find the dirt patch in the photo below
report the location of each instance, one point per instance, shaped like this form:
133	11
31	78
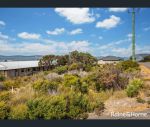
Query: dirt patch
119	105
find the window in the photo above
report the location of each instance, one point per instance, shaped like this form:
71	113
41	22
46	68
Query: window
22	70
34	69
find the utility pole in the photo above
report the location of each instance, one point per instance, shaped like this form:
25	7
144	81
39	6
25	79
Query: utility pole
133	11
133	34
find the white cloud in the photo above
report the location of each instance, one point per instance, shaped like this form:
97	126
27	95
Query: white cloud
100	37
25	35
147	29
2	23
129	36
76	15
2	36
109	23
79	45
44	47
76	31
118	9
56	31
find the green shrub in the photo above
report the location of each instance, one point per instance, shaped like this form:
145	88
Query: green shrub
99	109
133	88
78	105
44	85
19	112
4	109
4	96
61	69
125	65
84	87
73	66
140	100
52	107
70	80
2	78
12	83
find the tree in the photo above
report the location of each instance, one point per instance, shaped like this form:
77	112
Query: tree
47	61
84	60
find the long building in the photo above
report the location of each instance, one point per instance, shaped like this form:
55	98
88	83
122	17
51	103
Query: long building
20	68
109	60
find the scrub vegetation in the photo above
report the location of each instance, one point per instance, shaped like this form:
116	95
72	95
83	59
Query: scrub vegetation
73	86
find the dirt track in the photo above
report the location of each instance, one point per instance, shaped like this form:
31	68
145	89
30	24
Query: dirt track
146	64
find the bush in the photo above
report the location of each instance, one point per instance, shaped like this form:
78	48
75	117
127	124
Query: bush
84	87
4	109
12	83
73	66
78	105
100	109
43	85
70	80
52	107
4	96
133	88
61	69
125	65
2	78
140	100
19	112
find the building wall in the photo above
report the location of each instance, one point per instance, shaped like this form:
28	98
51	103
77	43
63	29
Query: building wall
107	62
22	72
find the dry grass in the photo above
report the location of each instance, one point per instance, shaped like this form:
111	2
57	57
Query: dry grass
101	96
119	94
22	95
124	105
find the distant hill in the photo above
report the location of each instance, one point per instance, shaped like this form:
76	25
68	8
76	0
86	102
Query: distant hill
140	57
111	57
19	58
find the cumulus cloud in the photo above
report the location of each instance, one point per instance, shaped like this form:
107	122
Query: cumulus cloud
118	9
129	36
42	47
76	31
146	28
25	35
56	31
2	36
2	23
76	15
100	37
109	23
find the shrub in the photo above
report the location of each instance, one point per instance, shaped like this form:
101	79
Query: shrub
4	96
61	69
19	112
100	109
12	83
2	78
70	80
140	100
125	65
84	87
4	109
133	88
52	107
78	105
73	66
43	85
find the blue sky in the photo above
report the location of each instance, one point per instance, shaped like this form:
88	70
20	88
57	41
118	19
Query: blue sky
99	31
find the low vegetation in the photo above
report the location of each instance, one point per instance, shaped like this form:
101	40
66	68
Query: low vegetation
62	92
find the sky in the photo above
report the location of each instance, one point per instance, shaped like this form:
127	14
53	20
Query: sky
99	31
